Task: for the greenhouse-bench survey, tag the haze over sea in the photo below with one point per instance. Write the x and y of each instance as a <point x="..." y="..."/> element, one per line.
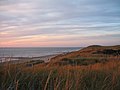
<point x="34" y="51"/>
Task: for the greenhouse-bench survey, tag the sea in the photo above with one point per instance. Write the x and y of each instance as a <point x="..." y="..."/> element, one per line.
<point x="34" y="51"/>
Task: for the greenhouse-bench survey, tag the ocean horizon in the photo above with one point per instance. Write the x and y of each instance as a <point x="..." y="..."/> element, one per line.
<point x="34" y="51"/>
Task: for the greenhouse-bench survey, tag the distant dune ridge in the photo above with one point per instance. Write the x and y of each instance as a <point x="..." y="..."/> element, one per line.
<point x="90" y="51"/>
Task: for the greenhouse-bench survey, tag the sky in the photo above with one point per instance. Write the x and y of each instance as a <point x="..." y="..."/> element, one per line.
<point x="59" y="23"/>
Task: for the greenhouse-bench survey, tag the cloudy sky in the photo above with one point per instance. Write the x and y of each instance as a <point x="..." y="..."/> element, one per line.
<point x="47" y="23"/>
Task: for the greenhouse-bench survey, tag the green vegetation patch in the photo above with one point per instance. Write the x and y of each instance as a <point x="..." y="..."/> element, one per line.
<point x="81" y="61"/>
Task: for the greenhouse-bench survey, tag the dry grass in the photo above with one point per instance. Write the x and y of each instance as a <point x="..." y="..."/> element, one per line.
<point x="92" y="77"/>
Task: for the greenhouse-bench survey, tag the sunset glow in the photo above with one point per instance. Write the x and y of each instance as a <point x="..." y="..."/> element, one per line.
<point x="59" y="23"/>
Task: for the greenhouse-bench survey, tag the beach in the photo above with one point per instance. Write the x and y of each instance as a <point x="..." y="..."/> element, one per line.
<point x="15" y="60"/>
<point x="21" y="55"/>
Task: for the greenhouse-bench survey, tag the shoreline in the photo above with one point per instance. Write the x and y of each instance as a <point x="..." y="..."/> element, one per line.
<point x="16" y="60"/>
<point x="45" y="58"/>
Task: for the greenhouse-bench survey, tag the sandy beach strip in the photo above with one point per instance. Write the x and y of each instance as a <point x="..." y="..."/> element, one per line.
<point x="46" y="58"/>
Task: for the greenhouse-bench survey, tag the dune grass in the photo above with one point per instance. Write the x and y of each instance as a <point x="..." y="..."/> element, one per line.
<point x="100" y="76"/>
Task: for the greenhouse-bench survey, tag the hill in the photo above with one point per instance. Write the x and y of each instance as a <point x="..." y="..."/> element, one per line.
<point x="95" y="53"/>
<point x="91" y="68"/>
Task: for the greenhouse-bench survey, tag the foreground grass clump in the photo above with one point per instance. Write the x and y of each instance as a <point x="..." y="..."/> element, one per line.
<point x="43" y="77"/>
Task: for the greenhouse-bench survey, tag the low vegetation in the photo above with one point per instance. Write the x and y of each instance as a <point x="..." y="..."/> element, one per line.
<point x="80" y="70"/>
